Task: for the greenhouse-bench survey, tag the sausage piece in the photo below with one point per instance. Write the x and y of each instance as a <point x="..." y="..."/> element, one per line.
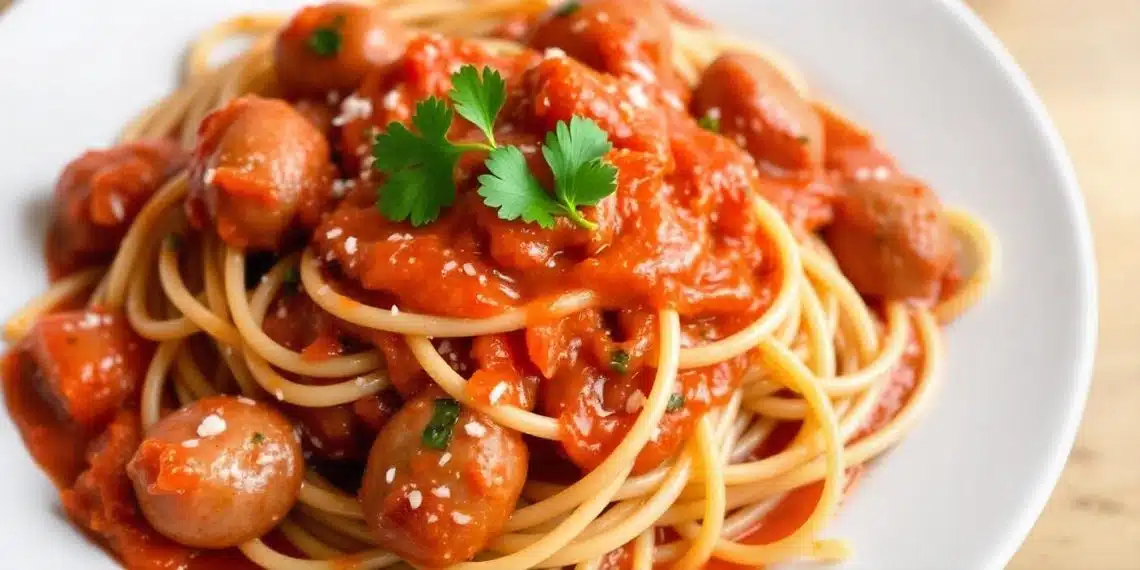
<point x="88" y="363"/>
<point x="756" y="106"/>
<point x="891" y="239"/>
<point x="435" y="507"/>
<point x="330" y="47"/>
<point x="217" y="472"/>
<point x="628" y="38"/>
<point x="99" y="194"/>
<point x="258" y="167"/>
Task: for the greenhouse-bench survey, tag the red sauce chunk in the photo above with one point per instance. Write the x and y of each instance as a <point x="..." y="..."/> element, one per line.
<point x="98" y="196"/>
<point x="259" y="169"/>
<point x="87" y="363"/>
<point x="675" y="223"/>
<point x="680" y="231"/>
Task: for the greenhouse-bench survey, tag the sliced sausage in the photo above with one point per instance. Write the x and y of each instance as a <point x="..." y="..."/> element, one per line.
<point x="99" y="194"/>
<point x="217" y="472"/>
<point x="330" y="47"/>
<point x="628" y="38"/>
<point x="88" y="363"/>
<point x="756" y="106"/>
<point x="891" y="239"/>
<point x="436" y="506"/>
<point x="258" y="168"/>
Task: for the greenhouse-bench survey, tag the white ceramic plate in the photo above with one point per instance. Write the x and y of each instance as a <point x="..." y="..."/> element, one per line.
<point x="925" y="75"/>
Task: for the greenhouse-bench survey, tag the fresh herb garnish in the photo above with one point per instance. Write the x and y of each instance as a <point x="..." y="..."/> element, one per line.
<point x="709" y="123"/>
<point x="478" y="97"/>
<point x="512" y="189"/>
<point x="258" y="438"/>
<point x="420" y="166"/>
<point x="291" y="282"/>
<point x="437" y="434"/>
<point x="676" y="402"/>
<point x="581" y="176"/>
<point x="567" y="8"/>
<point x="173" y="241"/>
<point x="619" y="361"/>
<point x="325" y="41"/>
<point x="803" y="139"/>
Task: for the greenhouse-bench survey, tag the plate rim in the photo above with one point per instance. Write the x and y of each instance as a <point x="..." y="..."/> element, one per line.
<point x="1089" y="294"/>
<point x="1086" y="336"/>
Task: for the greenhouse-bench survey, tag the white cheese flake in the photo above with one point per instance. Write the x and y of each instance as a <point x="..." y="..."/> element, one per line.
<point x="350" y="245"/>
<point x="443" y="492"/>
<point x="351" y="109"/>
<point x="443" y="459"/>
<point x="498" y="391"/>
<point x="635" y="402"/>
<point x="461" y="518"/>
<point x="415" y="499"/>
<point x="211" y="425"/>
<point x="475" y="429"/>
<point x="392" y="100"/>
<point x="117" y="208"/>
<point x="191" y="443"/>
<point x="334" y="233"/>
<point x="246" y="401"/>
<point x="469" y="269"/>
<point x="341" y="187"/>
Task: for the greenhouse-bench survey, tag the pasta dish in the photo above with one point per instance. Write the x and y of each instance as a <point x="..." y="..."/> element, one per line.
<point x="476" y="284"/>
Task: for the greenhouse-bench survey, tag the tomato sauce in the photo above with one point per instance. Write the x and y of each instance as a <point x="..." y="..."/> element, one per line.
<point x="796" y="506"/>
<point x="679" y="232"/>
<point x="89" y="470"/>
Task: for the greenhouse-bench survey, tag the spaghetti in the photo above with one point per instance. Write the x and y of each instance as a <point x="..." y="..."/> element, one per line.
<point x="738" y="426"/>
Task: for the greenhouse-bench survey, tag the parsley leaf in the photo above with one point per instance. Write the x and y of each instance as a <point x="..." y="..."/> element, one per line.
<point x="514" y="190"/>
<point x="420" y="168"/>
<point x="676" y="402"/>
<point x="567" y="8"/>
<point x="437" y="433"/>
<point x="292" y="276"/>
<point x="325" y="42"/>
<point x="709" y="123"/>
<point x="619" y="361"/>
<point x="581" y="178"/>
<point x="479" y="99"/>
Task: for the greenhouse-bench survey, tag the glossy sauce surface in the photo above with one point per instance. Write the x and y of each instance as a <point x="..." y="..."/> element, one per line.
<point x="680" y="232"/>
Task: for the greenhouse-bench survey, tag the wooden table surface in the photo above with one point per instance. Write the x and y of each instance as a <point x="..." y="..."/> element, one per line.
<point x="1084" y="59"/>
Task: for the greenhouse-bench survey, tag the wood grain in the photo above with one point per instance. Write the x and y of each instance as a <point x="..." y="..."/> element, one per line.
<point x="1084" y="59"/>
